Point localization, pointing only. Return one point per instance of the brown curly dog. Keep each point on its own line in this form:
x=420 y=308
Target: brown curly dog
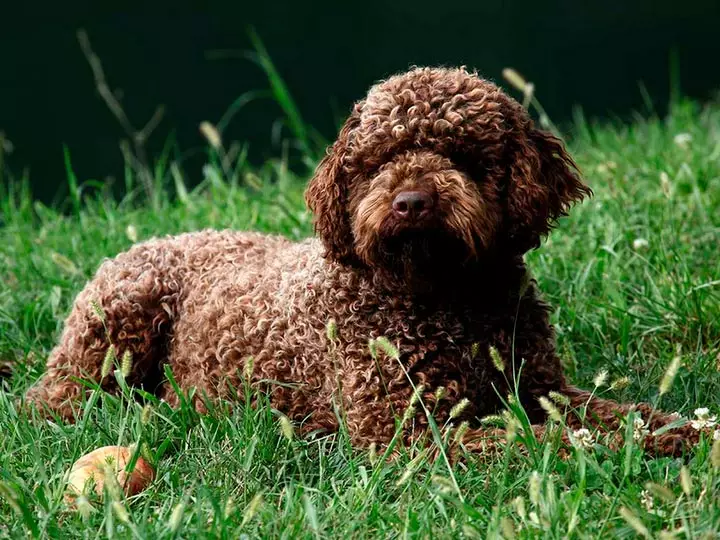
x=424 y=206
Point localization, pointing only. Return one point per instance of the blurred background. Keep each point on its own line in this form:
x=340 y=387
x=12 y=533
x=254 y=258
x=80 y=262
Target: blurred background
x=613 y=59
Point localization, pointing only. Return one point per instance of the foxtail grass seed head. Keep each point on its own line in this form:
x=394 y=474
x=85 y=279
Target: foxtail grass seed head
x=442 y=484
x=176 y=517
x=660 y=491
x=474 y=350
x=372 y=453
x=286 y=427
x=665 y=184
x=685 y=480
x=460 y=432
x=703 y=419
x=496 y=359
x=620 y=383
x=558 y=398
x=64 y=263
x=600 y=378
x=111 y=484
x=411 y=467
x=514 y=78
x=331 y=330
x=534 y=487
x=229 y=509
x=493 y=419
x=120 y=512
x=669 y=375
x=84 y=507
x=408 y=414
x=131 y=233
x=146 y=453
x=388 y=348
x=147 y=411
x=528 y=95
x=372 y=347
x=406 y=475
x=132 y=448
x=634 y=521
x=440 y=393
x=253 y=180
x=458 y=409
x=108 y=362
x=715 y=452
x=248 y=368
x=126 y=364
x=511 y=429
x=507 y=527
x=519 y=505
x=417 y=394
x=550 y=409
x=211 y=134
x=97 y=310
x=252 y=508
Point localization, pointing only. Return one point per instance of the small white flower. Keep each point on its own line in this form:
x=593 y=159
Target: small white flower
x=674 y=415
x=682 y=139
x=640 y=243
x=703 y=419
x=639 y=429
x=716 y=435
x=583 y=438
x=646 y=500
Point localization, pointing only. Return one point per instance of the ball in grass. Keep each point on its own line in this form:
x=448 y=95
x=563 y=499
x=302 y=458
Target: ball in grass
x=106 y=466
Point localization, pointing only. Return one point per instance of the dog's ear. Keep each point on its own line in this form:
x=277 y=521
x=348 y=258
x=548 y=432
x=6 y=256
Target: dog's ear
x=544 y=183
x=327 y=197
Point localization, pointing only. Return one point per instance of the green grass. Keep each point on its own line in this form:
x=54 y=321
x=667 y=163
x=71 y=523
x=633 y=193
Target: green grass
x=634 y=278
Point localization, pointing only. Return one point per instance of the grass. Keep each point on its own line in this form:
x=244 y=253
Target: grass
x=634 y=278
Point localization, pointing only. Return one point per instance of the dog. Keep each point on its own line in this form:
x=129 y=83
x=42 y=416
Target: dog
x=437 y=186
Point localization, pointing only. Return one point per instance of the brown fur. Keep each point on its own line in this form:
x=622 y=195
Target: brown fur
x=444 y=287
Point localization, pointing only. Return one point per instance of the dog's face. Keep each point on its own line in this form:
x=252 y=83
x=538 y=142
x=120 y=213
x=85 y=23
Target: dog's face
x=435 y=170
x=419 y=215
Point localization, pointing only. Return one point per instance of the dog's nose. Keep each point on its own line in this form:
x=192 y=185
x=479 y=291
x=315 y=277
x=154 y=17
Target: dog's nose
x=408 y=204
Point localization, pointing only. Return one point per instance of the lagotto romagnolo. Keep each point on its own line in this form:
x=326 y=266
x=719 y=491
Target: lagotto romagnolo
x=435 y=188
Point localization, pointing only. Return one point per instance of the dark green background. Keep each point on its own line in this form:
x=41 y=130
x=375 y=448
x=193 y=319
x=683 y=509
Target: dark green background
x=592 y=54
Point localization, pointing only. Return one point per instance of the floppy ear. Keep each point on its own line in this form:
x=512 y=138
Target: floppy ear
x=544 y=183
x=327 y=197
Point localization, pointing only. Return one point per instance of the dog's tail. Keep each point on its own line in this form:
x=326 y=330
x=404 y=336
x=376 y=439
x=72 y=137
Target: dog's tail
x=662 y=434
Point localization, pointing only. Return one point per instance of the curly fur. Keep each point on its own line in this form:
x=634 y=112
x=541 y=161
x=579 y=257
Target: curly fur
x=445 y=286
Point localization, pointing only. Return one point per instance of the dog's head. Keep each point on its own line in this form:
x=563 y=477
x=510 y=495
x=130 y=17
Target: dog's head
x=438 y=168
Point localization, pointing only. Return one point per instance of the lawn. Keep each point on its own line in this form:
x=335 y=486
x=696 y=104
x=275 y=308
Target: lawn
x=634 y=278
